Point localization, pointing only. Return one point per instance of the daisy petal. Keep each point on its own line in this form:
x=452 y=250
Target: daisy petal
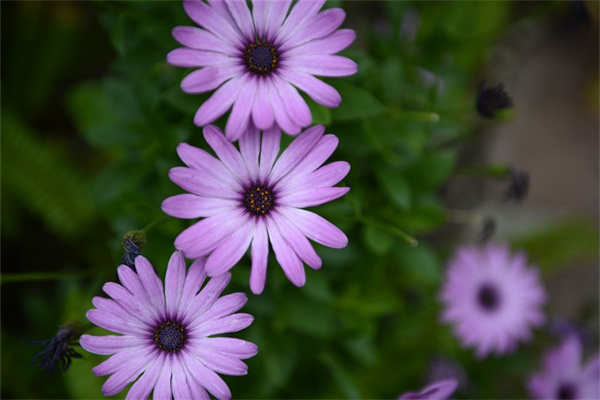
x=193 y=282
x=298 y=242
x=286 y=257
x=302 y=11
x=200 y=39
x=237 y=347
x=316 y=227
x=151 y=283
x=142 y=387
x=209 y=78
x=321 y=25
x=294 y=103
x=230 y=251
x=315 y=158
x=201 y=160
x=179 y=383
x=312 y=197
x=205 y=299
x=162 y=390
x=241 y=15
x=188 y=58
x=227 y=152
x=174 y=282
x=296 y=151
x=205 y=16
x=260 y=256
x=262 y=111
x=240 y=113
x=204 y=236
x=268 y=152
x=201 y=184
x=321 y=65
x=250 y=149
x=206 y=377
x=121 y=359
x=221 y=363
x=222 y=307
x=110 y=344
x=331 y=44
x=189 y=206
x=231 y=323
x=281 y=116
x=220 y=101
x=318 y=90
x=326 y=176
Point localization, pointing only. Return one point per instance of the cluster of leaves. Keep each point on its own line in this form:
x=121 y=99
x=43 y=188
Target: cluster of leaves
x=366 y=325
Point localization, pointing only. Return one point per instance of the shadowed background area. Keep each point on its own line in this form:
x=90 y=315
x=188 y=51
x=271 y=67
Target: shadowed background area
x=92 y=114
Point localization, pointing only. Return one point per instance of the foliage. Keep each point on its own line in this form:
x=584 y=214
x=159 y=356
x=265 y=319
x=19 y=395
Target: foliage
x=366 y=325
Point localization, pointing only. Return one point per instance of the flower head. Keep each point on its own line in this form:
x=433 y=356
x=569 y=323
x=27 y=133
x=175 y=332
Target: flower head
x=256 y=60
x=440 y=390
x=58 y=353
x=247 y=198
x=564 y=377
x=490 y=100
x=165 y=332
x=492 y=298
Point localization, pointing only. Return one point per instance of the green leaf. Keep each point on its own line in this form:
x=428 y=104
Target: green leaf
x=561 y=244
x=43 y=180
x=93 y=114
x=428 y=172
x=396 y=187
x=377 y=240
x=320 y=114
x=420 y=262
x=357 y=103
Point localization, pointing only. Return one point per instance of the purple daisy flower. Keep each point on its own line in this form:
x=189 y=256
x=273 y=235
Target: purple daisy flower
x=256 y=60
x=245 y=197
x=564 y=377
x=165 y=333
x=440 y=390
x=492 y=298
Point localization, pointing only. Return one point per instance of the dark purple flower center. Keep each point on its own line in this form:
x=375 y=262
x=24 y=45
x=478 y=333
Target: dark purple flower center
x=261 y=58
x=169 y=336
x=259 y=199
x=488 y=297
x=566 y=391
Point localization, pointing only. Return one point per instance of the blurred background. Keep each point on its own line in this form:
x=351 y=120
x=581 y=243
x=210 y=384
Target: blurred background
x=92 y=114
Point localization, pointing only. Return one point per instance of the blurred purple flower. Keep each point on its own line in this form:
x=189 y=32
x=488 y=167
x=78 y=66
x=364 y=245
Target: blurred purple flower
x=246 y=197
x=440 y=390
x=254 y=57
x=165 y=332
x=564 y=377
x=492 y=298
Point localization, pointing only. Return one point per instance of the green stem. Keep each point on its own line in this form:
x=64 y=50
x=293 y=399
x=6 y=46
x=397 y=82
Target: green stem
x=398 y=232
x=497 y=171
x=426 y=116
x=152 y=225
x=44 y=276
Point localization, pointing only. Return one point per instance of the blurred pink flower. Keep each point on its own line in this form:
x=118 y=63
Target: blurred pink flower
x=564 y=376
x=492 y=298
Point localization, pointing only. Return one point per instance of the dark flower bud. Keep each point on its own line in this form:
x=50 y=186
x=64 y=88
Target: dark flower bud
x=488 y=230
x=490 y=100
x=58 y=353
x=133 y=243
x=519 y=184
